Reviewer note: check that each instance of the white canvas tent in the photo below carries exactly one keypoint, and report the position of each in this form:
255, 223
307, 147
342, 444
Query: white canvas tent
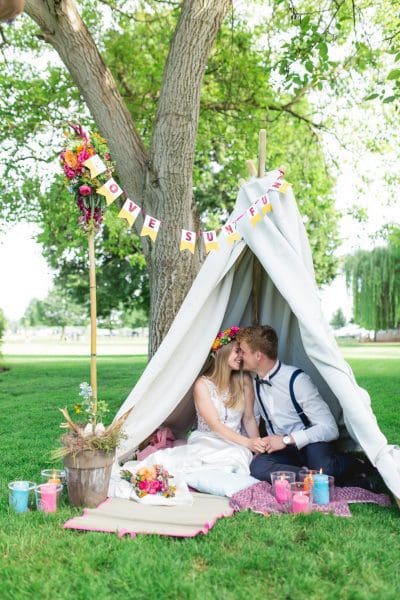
266, 277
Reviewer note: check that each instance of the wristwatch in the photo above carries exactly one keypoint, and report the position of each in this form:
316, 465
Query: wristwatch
287, 440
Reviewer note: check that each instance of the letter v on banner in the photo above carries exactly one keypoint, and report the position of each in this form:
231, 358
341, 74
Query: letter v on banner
130, 211
210, 240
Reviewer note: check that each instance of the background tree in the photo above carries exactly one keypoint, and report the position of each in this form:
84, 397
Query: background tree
149, 109
338, 319
374, 280
56, 310
3, 325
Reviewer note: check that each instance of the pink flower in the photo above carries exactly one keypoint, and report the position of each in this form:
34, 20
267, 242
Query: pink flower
154, 487
85, 190
107, 156
144, 485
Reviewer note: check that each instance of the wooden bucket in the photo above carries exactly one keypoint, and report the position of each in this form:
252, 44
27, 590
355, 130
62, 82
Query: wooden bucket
88, 477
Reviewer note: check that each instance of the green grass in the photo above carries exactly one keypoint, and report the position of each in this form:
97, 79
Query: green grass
247, 556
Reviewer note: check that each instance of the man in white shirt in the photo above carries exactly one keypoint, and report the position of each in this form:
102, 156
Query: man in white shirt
300, 427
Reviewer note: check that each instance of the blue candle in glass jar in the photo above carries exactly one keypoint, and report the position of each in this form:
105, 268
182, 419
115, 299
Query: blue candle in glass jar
19, 496
321, 489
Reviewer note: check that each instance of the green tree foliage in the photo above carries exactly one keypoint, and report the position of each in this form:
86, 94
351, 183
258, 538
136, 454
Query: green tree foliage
57, 310
257, 76
374, 280
3, 324
338, 319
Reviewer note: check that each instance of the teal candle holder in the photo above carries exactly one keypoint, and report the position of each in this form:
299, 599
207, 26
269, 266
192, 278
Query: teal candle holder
19, 495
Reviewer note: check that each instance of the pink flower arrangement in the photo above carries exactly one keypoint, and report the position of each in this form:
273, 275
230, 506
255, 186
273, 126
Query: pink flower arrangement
151, 480
225, 337
78, 147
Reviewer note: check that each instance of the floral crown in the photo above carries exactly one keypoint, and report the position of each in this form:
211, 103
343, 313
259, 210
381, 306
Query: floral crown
224, 337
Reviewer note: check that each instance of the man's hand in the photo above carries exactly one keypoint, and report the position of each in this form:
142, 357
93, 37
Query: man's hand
10, 9
256, 445
273, 443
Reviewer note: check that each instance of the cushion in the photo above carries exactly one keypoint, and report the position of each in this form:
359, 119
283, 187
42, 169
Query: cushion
218, 482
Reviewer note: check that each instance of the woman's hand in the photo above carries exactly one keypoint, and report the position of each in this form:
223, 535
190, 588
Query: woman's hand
256, 445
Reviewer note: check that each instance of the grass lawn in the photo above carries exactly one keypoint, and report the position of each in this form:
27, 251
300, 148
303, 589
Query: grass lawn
246, 556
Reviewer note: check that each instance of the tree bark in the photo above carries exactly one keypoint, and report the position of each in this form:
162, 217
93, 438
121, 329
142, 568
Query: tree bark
162, 180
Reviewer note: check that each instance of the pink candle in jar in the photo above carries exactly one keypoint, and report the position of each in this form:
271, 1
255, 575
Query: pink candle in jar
48, 493
300, 503
282, 490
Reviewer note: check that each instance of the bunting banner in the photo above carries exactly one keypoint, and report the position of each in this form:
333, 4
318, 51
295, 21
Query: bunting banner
110, 190
188, 240
253, 214
150, 227
210, 241
130, 211
230, 232
95, 165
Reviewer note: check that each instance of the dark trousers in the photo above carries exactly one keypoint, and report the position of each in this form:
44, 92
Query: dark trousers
319, 455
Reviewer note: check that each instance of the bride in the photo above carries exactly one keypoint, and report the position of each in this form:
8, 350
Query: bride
224, 401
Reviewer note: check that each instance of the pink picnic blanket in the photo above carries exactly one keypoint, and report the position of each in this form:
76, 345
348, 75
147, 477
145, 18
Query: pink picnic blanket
259, 498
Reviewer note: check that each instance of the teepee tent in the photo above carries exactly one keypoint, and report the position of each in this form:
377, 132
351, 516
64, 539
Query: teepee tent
267, 277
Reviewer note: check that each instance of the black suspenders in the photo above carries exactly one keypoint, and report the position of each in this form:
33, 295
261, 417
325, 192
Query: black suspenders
304, 419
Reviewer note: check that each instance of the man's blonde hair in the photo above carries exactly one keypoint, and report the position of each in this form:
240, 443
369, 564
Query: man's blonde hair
260, 337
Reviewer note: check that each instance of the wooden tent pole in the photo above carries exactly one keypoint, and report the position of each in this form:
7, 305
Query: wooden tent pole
93, 314
257, 267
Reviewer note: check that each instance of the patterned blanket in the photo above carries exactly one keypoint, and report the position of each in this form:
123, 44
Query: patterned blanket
259, 498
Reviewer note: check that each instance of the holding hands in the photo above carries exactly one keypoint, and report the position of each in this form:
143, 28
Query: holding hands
273, 443
256, 445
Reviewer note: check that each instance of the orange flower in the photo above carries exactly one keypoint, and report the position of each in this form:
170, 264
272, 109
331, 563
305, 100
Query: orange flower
70, 159
148, 473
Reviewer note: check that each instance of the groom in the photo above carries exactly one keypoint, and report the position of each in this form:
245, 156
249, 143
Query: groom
299, 424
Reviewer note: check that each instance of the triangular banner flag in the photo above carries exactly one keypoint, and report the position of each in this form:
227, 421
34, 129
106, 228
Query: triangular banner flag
230, 232
130, 211
210, 240
110, 190
266, 206
283, 188
254, 215
95, 165
188, 240
150, 227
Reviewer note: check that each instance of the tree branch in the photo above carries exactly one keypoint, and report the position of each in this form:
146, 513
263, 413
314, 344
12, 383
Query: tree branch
61, 26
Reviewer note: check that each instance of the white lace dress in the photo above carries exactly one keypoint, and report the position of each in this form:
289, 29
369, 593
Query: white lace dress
204, 450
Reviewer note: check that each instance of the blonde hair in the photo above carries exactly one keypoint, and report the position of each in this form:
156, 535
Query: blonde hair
217, 369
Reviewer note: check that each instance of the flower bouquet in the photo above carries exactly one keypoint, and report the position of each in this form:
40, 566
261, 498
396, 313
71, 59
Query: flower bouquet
78, 149
150, 483
153, 481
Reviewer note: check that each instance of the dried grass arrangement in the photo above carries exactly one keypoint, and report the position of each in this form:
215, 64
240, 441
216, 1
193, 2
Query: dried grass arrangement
81, 438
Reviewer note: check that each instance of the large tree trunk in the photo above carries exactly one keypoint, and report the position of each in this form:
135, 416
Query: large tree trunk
164, 179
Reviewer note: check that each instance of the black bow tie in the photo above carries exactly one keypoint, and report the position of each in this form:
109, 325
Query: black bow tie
263, 381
